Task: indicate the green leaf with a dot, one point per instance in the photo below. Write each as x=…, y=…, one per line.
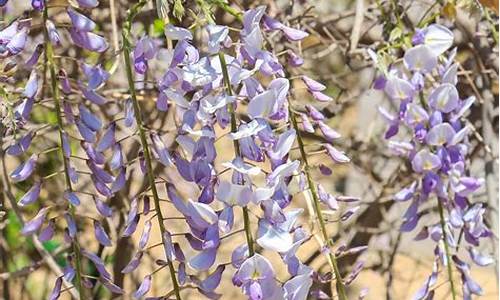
x=396, y=33
x=158, y=26
x=50, y=245
x=13, y=234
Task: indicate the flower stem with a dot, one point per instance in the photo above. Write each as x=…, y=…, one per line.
x=447, y=250
x=317, y=209
x=234, y=128
x=49, y=55
x=142, y=134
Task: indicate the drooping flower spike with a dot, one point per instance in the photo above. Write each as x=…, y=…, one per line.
x=238, y=142
x=438, y=149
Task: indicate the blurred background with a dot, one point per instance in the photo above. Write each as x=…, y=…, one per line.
x=335, y=54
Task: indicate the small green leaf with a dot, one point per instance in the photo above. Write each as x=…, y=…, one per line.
x=158, y=26
x=395, y=34
x=50, y=245
x=13, y=231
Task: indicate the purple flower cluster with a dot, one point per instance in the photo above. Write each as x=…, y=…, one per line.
x=205, y=87
x=430, y=109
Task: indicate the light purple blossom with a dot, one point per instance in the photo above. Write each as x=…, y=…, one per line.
x=437, y=151
x=24, y=170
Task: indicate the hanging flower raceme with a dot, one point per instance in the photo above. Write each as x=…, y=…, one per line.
x=229, y=88
x=209, y=107
x=438, y=150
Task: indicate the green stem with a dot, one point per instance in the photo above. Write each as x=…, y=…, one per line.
x=234, y=128
x=142, y=134
x=317, y=208
x=49, y=55
x=447, y=250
